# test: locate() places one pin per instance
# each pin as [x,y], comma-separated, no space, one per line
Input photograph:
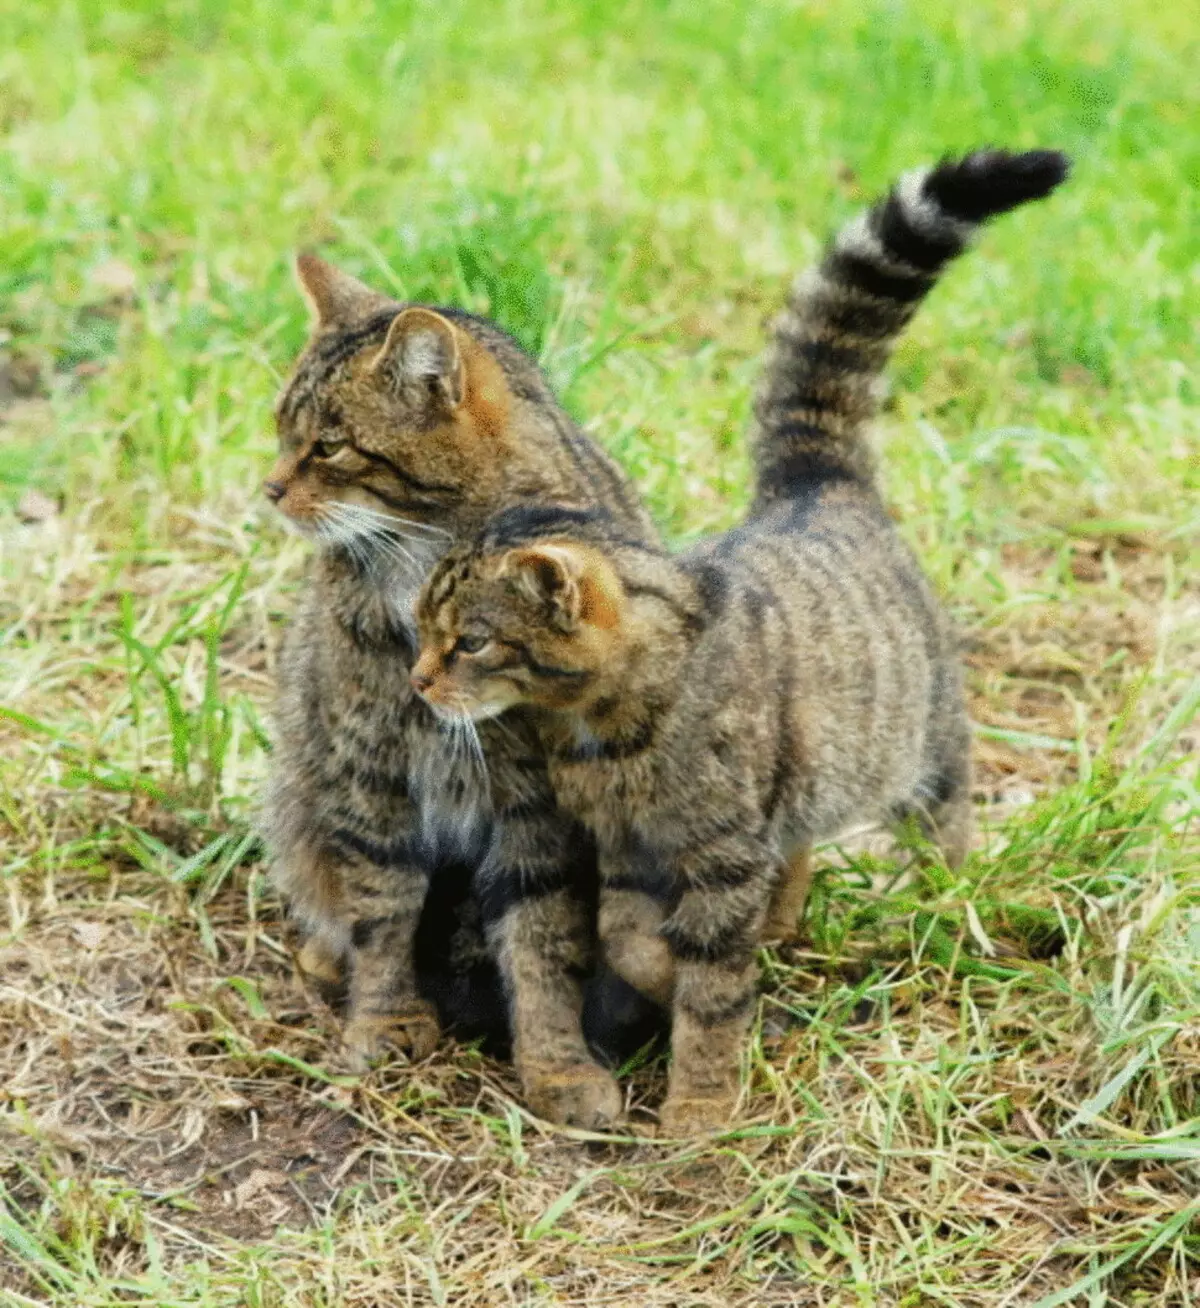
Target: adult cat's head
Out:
[403,424]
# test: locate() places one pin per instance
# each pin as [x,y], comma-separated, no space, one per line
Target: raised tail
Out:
[842,318]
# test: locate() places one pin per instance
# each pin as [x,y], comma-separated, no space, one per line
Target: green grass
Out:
[976,1089]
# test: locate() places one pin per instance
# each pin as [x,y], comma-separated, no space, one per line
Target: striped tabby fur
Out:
[710,716]
[401,429]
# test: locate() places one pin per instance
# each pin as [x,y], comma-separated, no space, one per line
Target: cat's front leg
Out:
[712,936]
[542,932]
[384,884]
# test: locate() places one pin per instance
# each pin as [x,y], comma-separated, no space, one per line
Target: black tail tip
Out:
[988,182]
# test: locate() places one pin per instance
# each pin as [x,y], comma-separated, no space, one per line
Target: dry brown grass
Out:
[174,1103]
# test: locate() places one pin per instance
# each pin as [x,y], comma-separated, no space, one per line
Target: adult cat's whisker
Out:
[363,536]
[379,534]
[396,521]
[390,522]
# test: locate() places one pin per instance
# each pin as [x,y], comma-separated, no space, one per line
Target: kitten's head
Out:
[540,624]
[393,426]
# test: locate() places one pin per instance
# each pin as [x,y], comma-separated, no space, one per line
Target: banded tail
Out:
[842,318]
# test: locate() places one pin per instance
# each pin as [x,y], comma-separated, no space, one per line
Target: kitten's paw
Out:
[414,1032]
[680,1118]
[573,1094]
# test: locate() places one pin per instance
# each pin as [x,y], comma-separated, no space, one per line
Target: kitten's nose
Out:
[275,490]
[420,681]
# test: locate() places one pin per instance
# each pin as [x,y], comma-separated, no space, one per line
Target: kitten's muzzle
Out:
[274,490]
[421,681]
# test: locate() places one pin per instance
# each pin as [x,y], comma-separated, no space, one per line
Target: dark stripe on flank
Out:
[757,601]
[689,619]
[525,521]
[712,585]
[783,773]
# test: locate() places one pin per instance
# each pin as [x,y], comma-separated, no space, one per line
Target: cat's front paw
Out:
[573,1094]
[414,1031]
[680,1118]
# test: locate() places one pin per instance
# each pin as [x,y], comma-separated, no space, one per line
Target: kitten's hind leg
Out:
[950,826]
[789,898]
[943,805]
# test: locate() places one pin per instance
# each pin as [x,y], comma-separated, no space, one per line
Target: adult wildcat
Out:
[401,428]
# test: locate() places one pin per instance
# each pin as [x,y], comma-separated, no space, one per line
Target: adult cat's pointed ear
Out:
[334,296]
[422,349]
[577,582]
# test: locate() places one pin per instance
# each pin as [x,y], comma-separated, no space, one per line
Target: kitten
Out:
[710,716]
[401,428]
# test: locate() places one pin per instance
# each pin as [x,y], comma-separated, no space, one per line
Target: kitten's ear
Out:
[576,581]
[422,348]
[334,296]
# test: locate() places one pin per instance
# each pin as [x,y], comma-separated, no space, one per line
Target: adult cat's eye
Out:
[470,644]
[327,449]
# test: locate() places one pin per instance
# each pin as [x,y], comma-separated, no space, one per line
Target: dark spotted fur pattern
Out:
[710,716]
[401,429]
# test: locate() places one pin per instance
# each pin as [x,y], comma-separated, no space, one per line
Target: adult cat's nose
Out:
[275,490]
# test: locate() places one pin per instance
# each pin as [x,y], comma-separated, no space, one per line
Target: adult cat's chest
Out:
[390,761]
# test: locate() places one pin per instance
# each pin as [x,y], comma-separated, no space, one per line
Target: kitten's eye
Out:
[326,449]
[470,644]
